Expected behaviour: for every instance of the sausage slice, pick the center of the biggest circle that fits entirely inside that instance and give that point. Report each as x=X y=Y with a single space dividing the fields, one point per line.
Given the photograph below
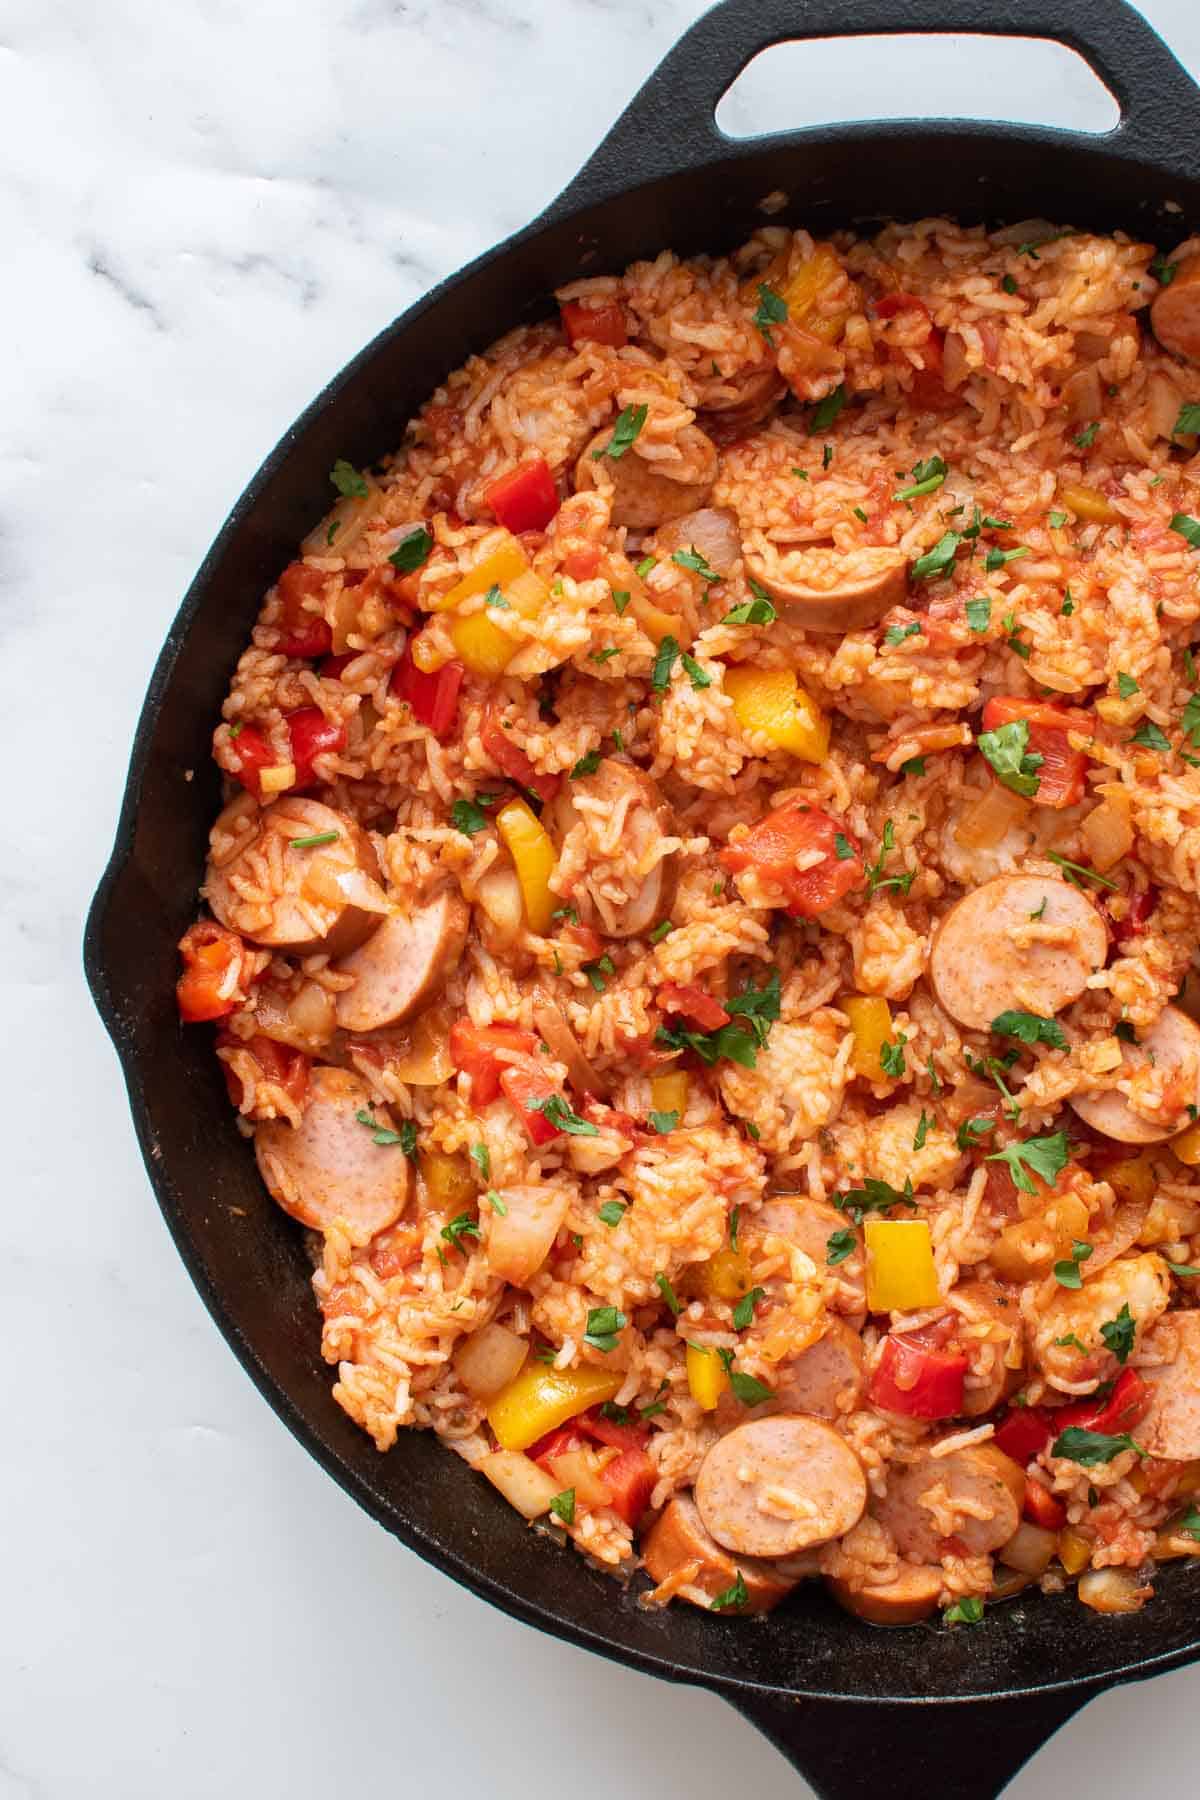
x=809 y=1224
x=778 y=1485
x=832 y=590
x=968 y=1501
x=626 y=819
x=829 y=1371
x=403 y=964
x=1172 y=1045
x=329 y=1167
x=908 y=1598
x=679 y=1542
x=1175 y=313
x=991 y=1335
x=266 y=880
x=713 y=531
x=991 y=953
x=647 y=494
x=1171 y=1428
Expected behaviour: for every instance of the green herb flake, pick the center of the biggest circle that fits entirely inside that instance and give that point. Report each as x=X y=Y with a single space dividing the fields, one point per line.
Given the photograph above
x=596 y=971
x=1127 y=687
x=826 y=411
x=1087 y=437
x=313 y=842
x=1119 y=1333
x=772 y=310
x=695 y=564
x=664 y=662
x=467 y=817
x=497 y=1205
x=896 y=634
x=694 y=672
x=971 y=1131
x=668 y=1293
x=662 y=1122
x=347 y=480
x=604 y=1327
x=1007 y=750
x=922 y=1131
x=731 y=1597
x=1087 y=1448
x=826 y=455
x=839 y=1245
x=587 y=765
x=644 y=567
x=413 y=551
x=1077 y=873
x=1188 y=422
x=1009 y=284
x=1046 y=1157
x=481 y=1157
x=557 y=1113
x=876 y=881
x=629 y=422
x=891 y=1056
x=873 y=1196
x=1150 y=737
x=914 y=766
x=968 y=1611
x=1067 y=1272
x=759 y=611
x=1187 y=528
x=979 y=612
x=563 y=1506
x=843 y=849
x=1030 y=1028
x=743 y=1312
x=379 y=1133
x=612 y=1212
x=927 y=478
x=1164 y=272
x=938 y=561
x=620 y=599
x=1056 y=519
x=463 y=1226
x=661 y=930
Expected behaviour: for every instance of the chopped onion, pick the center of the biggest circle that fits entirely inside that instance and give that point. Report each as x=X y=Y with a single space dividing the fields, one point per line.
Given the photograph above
x=498 y=893
x=1007 y=1583
x=983 y=825
x=519 y=1479
x=1081 y=395
x=566 y=1049
x=1030 y=1549
x=1112 y=1591
x=519 y=1239
x=489 y=1359
x=426 y=1060
x=1108 y=831
x=581 y=1469
x=955 y=367
x=342 y=525
x=305 y=1020
x=1162 y=406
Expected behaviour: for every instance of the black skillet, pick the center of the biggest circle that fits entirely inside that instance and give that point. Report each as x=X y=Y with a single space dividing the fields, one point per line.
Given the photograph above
x=929 y=1712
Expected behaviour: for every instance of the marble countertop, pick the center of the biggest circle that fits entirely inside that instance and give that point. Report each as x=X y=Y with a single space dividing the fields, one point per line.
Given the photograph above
x=206 y=209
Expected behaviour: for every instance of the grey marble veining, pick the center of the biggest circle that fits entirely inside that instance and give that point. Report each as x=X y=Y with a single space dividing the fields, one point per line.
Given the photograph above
x=205 y=209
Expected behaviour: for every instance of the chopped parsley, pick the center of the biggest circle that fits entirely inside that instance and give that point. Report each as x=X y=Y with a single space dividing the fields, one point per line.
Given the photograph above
x=772 y=310
x=497 y=1205
x=379 y=1133
x=1067 y=1272
x=914 y=766
x=596 y=971
x=733 y=1596
x=759 y=611
x=876 y=883
x=927 y=478
x=979 y=612
x=826 y=455
x=1164 y=272
x=997 y=558
x=971 y=1131
x=694 y=672
x=463 y=1226
x=644 y=567
x=495 y=599
x=556 y=1112
x=1043 y=1156
x=662 y=1122
x=467 y=817
x=839 y=1245
x=1056 y=518
x=413 y=550
x=563 y=1506
x=891 y=1056
x=587 y=765
x=826 y=411
x=1087 y=1448
x=1030 y=1028
x=347 y=480
x=620 y=599
x=969 y=1610
x=743 y=1312
x=1009 y=284
x=1077 y=873
x=612 y=1212
x=922 y=1131
x=1188 y=421
x=1007 y=750
x=603 y=656
x=481 y=1157
x=1119 y=1333
x=739 y=1042
x=317 y=838
x=604 y=1327
x=695 y=563
x=1188 y=528
x=745 y=1388
x=1087 y=437
x=668 y=1293
x=1127 y=687
x=629 y=422
x=664 y=662
x=939 y=560
x=1150 y=737
x=661 y=930
x=896 y=634
x=843 y=849
x=873 y=1196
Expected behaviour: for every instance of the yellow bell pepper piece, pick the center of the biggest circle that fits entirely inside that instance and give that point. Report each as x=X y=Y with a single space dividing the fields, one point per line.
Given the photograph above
x=707 y=1379
x=497 y=569
x=539 y=1398
x=449 y=1185
x=1187 y=1146
x=773 y=702
x=485 y=647
x=871 y=1023
x=725 y=1276
x=803 y=289
x=1074 y=1550
x=900 y=1272
x=1088 y=503
x=669 y=1092
x=532 y=851
x=1132 y=1179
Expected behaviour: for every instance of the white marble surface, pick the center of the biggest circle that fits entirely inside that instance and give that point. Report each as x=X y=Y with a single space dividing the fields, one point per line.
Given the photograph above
x=205 y=208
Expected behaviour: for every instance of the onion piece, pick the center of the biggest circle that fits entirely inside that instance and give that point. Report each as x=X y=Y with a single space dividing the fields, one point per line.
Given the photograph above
x=985 y=823
x=489 y=1359
x=582 y=1470
x=1081 y=395
x=342 y=525
x=1108 y=829
x=1113 y=1591
x=1007 y=1583
x=426 y=1060
x=498 y=893
x=955 y=367
x=566 y=1049
x=1030 y=1549
x=519 y=1479
x=304 y=1020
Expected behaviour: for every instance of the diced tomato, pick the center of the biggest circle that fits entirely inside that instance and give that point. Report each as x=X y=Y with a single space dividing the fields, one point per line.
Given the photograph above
x=251 y=753
x=773 y=846
x=305 y=633
x=630 y=1479
x=433 y=698
x=917 y=1379
x=1023 y=1433
x=588 y=940
x=1142 y=905
x=705 y=1013
x=1042 y=1507
x=527 y=1089
x=1125 y=1407
x=1060 y=778
x=312 y=735
x=559 y=1442
x=525 y=499
x=594 y=324
x=611 y=1431
x=512 y=761
x=473 y=1050
x=332 y=666
x=396 y=1249
x=213 y=982
x=284 y=1067
x=582 y=564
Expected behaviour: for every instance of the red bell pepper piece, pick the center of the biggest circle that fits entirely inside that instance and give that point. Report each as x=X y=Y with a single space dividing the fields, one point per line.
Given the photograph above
x=312 y=735
x=1125 y=1406
x=1142 y=905
x=473 y=1050
x=918 y=1379
x=1061 y=776
x=621 y=1436
x=526 y=1089
x=630 y=1479
x=772 y=847
x=1023 y=1433
x=213 y=983
x=525 y=499
x=594 y=324
x=284 y=1067
x=1043 y=1507
x=305 y=633
x=559 y=1442
x=705 y=1013
x=252 y=754
x=512 y=761
x=433 y=698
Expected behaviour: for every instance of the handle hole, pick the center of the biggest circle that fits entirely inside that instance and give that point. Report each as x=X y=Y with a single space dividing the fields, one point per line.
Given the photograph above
x=828 y=81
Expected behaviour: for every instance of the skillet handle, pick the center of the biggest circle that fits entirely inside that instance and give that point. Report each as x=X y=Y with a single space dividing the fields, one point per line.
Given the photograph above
x=669 y=125
x=969 y=1750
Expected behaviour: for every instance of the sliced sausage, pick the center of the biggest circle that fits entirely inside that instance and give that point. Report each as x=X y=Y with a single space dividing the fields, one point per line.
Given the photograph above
x=809 y=1224
x=832 y=590
x=647 y=494
x=329 y=1167
x=679 y=1543
x=967 y=1503
x=831 y=1370
x=1171 y=1428
x=713 y=532
x=266 y=880
x=778 y=1485
x=403 y=964
x=1172 y=1046
x=626 y=820
x=911 y=1595
x=757 y=393
x=520 y=1237
x=991 y=1335
x=991 y=953
x=1175 y=313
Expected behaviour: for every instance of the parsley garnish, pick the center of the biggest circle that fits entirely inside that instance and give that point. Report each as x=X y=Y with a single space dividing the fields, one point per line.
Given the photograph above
x=971 y=1131
x=873 y=1196
x=1056 y=518
x=1073 y=871
x=745 y=1388
x=317 y=838
x=643 y=568
x=668 y=1293
x=1009 y=284
x=1150 y=737
x=620 y=599
x=692 y=560
x=927 y=478
x=826 y=411
x=1006 y=749
x=734 y=1595
x=629 y=422
x=379 y=1133
x=662 y=1122
x=603 y=656
x=743 y=1312
x=759 y=611
x=891 y=1056
x=874 y=871
x=839 y=1245
x=661 y=930
x=1127 y=687
x=556 y=1111
x=896 y=634
x=1087 y=1448
x=939 y=560
x=1188 y=528
x=596 y=971
x=612 y=1212
x=968 y=1611
x=1164 y=272
x=922 y=1131
x=1030 y=1028
x=563 y=1506
x=463 y=1226
x=587 y=765
x=604 y=1327
x=1066 y=1272
x=347 y=480
x=996 y=558
x=481 y=1157
x=412 y=551
x=1044 y=1156
x=467 y=817
x=1188 y=421
x=843 y=849
x=1119 y=1334
x=694 y=672
x=772 y=310
x=759 y=1007
x=1087 y=437
x=979 y=612
x=664 y=662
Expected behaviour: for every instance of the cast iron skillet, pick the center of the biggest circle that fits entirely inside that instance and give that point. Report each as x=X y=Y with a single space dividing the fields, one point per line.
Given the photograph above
x=850 y=1706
